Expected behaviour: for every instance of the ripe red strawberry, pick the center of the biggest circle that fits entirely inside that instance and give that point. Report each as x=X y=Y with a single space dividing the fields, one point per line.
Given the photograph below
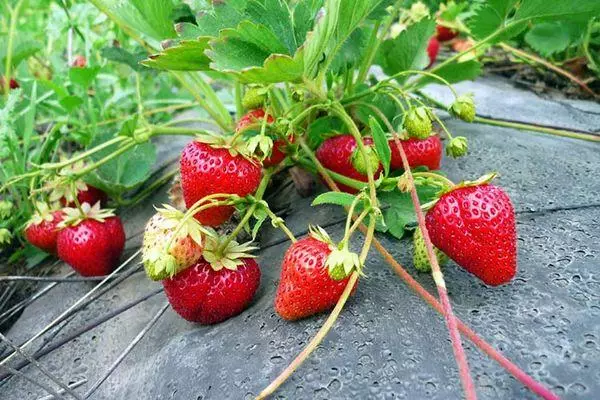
x=12 y=84
x=207 y=170
x=339 y=154
x=254 y=117
x=432 y=50
x=444 y=34
x=90 y=195
x=277 y=154
x=42 y=229
x=306 y=286
x=419 y=152
x=475 y=226
x=202 y=294
x=91 y=245
x=79 y=61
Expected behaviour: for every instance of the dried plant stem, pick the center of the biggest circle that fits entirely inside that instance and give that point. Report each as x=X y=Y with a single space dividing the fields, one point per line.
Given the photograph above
x=438 y=277
x=316 y=340
x=549 y=65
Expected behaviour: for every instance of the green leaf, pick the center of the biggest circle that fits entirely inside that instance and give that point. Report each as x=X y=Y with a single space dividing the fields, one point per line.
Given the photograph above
x=83 y=76
x=382 y=145
x=275 y=15
x=150 y=17
x=557 y=9
x=255 y=55
x=548 y=38
x=305 y=13
x=122 y=56
x=384 y=103
x=489 y=16
x=398 y=211
x=70 y=103
x=224 y=14
x=336 y=198
x=336 y=23
x=129 y=126
x=187 y=55
x=408 y=50
x=455 y=72
x=320 y=37
x=322 y=128
x=22 y=49
x=124 y=172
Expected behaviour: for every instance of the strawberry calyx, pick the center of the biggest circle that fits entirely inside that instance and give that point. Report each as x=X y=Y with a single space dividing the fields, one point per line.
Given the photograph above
x=233 y=143
x=483 y=180
x=75 y=216
x=5 y=209
x=64 y=187
x=230 y=257
x=43 y=213
x=340 y=262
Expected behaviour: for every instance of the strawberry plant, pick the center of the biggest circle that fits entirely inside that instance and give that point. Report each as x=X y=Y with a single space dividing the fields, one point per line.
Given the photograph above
x=303 y=93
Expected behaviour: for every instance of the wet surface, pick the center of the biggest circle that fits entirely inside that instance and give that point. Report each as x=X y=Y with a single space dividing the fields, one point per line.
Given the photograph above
x=387 y=344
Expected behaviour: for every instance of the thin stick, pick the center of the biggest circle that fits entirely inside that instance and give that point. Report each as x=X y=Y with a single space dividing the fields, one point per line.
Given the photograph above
x=438 y=277
x=127 y=350
x=84 y=329
x=61 y=391
x=66 y=312
x=39 y=366
x=42 y=385
x=58 y=279
x=14 y=309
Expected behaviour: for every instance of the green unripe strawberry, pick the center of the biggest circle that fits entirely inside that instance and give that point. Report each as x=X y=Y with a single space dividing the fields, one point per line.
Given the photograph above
x=417 y=123
x=420 y=259
x=254 y=98
x=360 y=164
x=464 y=108
x=457 y=147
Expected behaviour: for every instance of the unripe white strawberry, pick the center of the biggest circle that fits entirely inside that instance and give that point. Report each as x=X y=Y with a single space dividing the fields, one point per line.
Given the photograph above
x=167 y=248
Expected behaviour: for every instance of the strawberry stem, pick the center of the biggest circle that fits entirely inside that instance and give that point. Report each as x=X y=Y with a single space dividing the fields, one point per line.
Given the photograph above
x=438 y=277
x=278 y=221
x=316 y=340
x=508 y=365
x=517 y=125
x=260 y=191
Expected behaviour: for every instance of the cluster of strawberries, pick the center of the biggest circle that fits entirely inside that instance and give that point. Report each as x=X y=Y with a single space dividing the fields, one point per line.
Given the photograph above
x=88 y=238
x=209 y=278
